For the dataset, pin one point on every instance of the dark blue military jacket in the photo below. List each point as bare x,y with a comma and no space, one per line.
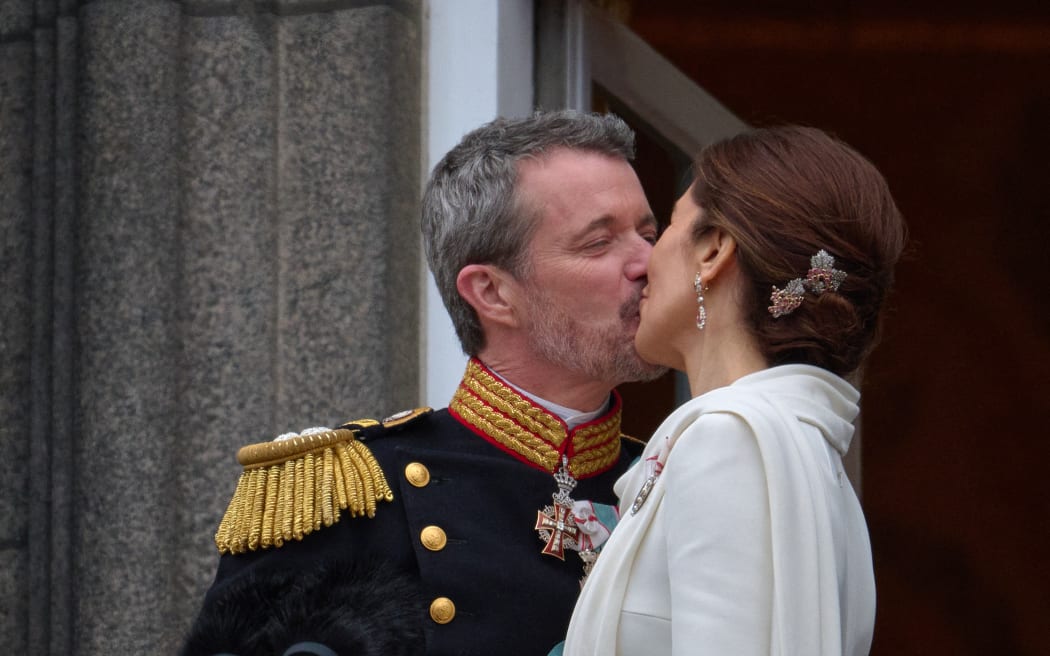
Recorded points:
461,526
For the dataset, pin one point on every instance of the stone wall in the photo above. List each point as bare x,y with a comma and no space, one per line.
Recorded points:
208,213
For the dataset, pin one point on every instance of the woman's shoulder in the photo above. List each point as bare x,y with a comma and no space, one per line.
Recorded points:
716,433
771,395
726,407
719,449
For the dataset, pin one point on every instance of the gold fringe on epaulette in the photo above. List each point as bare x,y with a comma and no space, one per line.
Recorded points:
291,488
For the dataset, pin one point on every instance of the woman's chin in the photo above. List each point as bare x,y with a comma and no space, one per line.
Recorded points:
648,349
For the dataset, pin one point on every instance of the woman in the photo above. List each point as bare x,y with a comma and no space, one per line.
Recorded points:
739,531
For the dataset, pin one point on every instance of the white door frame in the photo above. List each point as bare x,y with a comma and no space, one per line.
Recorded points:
479,65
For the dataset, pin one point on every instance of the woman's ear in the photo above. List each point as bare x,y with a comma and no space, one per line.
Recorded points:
715,251
491,291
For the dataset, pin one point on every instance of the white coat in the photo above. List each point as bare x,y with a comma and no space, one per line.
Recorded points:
751,539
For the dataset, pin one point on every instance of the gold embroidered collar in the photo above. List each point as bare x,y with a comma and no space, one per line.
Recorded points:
512,422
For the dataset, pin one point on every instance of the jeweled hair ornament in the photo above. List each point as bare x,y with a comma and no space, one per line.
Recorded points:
822,277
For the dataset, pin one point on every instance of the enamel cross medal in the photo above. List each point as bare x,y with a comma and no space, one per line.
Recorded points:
555,523
559,526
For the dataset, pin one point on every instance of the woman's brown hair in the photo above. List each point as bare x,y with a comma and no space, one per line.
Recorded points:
785,193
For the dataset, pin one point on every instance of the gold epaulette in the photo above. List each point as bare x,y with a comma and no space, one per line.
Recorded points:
293,487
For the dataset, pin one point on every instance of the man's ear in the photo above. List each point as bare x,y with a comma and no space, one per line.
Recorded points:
715,252
491,291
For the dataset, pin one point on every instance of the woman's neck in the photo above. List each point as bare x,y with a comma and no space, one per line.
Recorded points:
719,362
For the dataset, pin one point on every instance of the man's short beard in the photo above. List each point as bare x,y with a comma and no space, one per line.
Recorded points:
604,352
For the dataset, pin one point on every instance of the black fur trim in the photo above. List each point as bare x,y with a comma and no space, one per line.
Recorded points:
354,609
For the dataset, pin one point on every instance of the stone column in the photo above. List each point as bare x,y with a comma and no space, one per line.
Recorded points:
17,259
210,236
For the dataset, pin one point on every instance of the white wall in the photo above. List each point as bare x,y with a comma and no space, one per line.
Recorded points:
479,66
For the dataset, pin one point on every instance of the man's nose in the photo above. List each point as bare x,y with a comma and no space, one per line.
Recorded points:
638,264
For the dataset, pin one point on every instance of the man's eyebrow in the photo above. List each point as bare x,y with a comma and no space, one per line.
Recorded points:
648,221
603,222
596,224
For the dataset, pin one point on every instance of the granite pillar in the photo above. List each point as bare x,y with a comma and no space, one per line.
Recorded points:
16,314
210,235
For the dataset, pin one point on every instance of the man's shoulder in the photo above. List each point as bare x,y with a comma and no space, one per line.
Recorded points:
301,483
404,429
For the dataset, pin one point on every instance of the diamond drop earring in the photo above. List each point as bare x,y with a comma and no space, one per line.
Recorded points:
701,311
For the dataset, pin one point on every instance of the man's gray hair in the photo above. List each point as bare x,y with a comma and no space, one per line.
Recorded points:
472,213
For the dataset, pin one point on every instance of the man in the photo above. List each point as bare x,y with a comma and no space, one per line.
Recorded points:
455,528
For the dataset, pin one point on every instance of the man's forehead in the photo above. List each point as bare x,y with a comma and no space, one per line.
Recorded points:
568,192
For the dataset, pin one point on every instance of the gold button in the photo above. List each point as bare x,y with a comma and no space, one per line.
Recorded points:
433,538
417,474
442,610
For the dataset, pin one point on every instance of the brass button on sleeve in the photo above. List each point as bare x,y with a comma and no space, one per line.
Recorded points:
442,610
433,538
417,474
